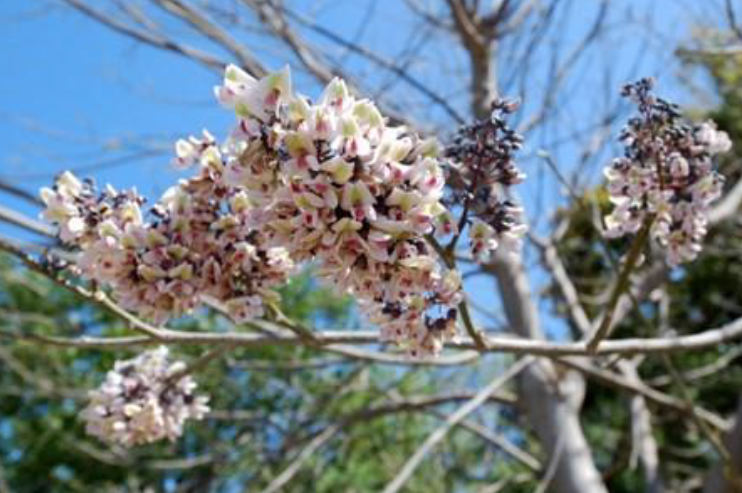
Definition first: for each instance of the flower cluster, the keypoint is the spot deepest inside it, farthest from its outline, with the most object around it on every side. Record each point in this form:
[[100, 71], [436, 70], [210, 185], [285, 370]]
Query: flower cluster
[[197, 247], [483, 165], [333, 183], [329, 182], [666, 176], [143, 400]]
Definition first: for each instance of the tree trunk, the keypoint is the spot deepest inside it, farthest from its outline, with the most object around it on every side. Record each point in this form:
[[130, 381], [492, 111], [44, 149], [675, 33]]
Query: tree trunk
[[552, 406]]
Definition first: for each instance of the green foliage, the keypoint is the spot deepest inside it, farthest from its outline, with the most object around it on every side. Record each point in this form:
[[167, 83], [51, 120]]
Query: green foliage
[[269, 403]]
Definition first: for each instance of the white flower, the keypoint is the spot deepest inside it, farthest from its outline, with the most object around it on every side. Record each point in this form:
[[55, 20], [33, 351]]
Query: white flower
[[716, 141], [483, 240]]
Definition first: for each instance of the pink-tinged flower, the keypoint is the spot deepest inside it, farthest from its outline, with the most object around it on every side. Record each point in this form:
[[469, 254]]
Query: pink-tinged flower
[[357, 199], [482, 239], [379, 243], [427, 175], [404, 200], [245, 308], [394, 227], [303, 155], [299, 109], [351, 140], [58, 207], [340, 232], [445, 224], [322, 187], [253, 99], [392, 147], [322, 123], [369, 119], [189, 151], [236, 84], [707, 190], [339, 169], [68, 185], [336, 96], [367, 114], [211, 159], [306, 200], [450, 288]]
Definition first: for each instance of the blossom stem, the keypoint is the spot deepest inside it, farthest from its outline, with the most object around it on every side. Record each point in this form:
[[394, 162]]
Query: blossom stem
[[443, 253], [622, 284], [300, 330], [462, 224], [450, 261]]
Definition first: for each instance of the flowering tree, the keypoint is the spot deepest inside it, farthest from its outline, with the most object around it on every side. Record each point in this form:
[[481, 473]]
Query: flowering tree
[[386, 215]]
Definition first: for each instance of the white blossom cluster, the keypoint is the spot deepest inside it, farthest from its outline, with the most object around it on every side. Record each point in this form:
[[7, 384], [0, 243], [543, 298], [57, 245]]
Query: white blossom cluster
[[666, 174], [329, 182], [143, 400], [197, 246], [333, 183]]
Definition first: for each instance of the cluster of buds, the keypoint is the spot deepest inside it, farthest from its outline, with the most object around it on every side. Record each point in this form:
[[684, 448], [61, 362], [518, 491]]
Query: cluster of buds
[[333, 183], [483, 165], [666, 177], [143, 400], [197, 247]]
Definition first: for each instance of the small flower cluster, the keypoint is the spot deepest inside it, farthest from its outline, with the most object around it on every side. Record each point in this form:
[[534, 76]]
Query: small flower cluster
[[483, 156], [333, 183], [143, 400], [197, 247], [666, 176]]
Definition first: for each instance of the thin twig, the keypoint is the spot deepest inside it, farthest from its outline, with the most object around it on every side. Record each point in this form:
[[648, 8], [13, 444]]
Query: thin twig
[[280, 481], [21, 193], [463, 307]]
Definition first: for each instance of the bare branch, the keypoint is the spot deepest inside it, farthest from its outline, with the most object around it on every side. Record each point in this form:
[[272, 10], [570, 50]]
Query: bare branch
[[203, 25], [147, 37], [610, 378], [413, 462], [16, 218], [644, 447], [20, 193], [378, 60]]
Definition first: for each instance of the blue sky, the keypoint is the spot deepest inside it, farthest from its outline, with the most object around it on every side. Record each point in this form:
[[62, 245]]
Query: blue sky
[[74, 94]]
